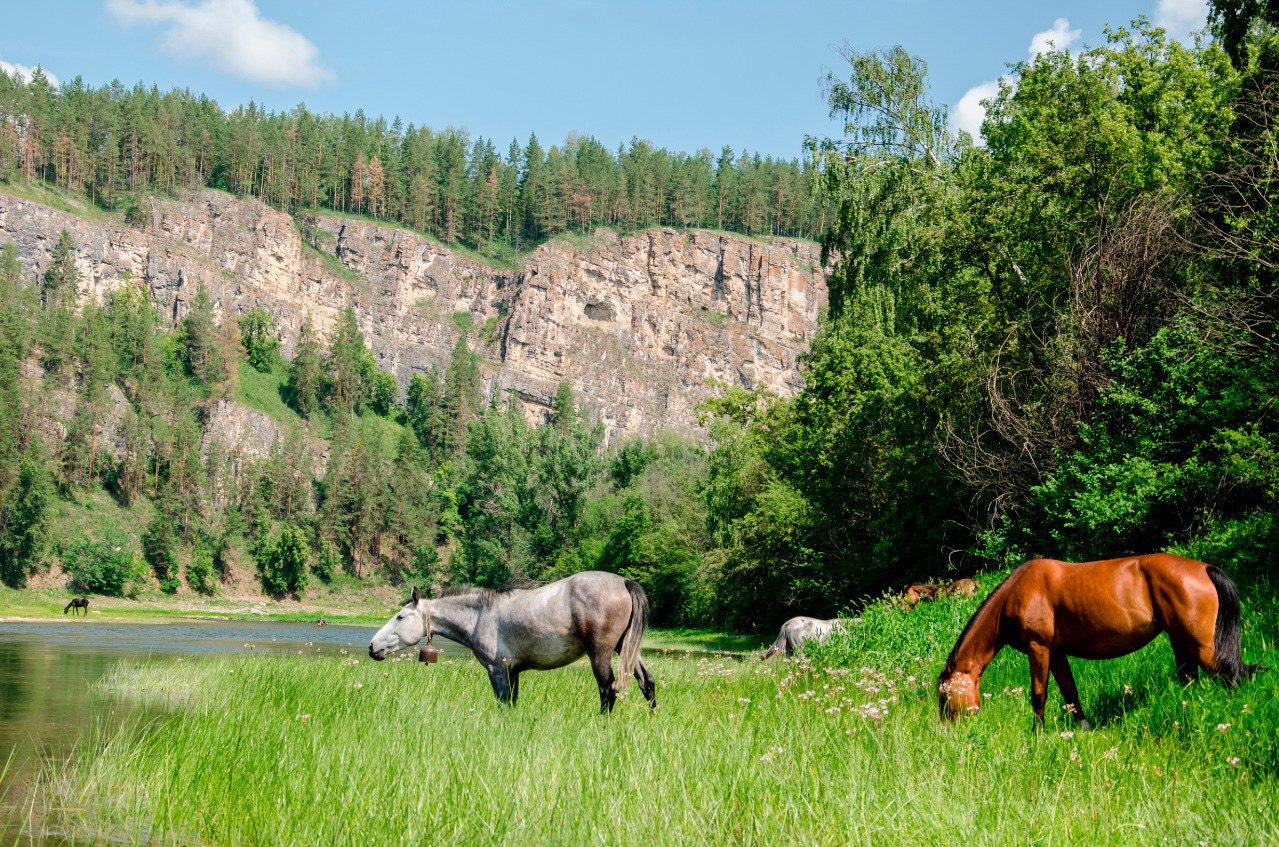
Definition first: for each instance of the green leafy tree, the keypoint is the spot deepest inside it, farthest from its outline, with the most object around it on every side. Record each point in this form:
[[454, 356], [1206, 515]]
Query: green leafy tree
[[24, 523], [283, 566], [260, 338], [105, 565], [201, 573], [159, 548]]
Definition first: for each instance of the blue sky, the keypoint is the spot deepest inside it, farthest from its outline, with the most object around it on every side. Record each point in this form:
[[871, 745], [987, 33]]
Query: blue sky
[[685, 75]]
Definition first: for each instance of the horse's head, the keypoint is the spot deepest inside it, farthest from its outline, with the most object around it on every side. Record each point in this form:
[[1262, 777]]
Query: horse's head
[[957, 693], [407, 628]]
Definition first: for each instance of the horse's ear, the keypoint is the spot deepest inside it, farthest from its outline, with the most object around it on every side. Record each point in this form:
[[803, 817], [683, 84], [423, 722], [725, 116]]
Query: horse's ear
[[415, 596]]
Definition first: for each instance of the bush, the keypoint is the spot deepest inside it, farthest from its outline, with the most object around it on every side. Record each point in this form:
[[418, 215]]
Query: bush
[[282, 566], [106, 565], [201, 573], [158, 546]]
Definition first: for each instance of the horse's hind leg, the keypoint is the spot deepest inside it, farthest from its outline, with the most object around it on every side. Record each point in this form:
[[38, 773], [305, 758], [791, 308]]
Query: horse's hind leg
[[602, 666], [1061, 672], [1191, 654], [647, 685]]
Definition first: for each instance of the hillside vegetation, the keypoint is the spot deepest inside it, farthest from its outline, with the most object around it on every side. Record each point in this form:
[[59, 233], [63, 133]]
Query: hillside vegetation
[[1057, 342]]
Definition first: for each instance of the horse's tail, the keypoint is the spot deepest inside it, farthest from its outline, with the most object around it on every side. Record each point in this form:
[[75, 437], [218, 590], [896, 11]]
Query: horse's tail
[[1225, 641], [778, 648], [629, 649]]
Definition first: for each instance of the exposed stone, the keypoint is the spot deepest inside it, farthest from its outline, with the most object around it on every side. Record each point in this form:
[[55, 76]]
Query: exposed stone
[[639, 325]]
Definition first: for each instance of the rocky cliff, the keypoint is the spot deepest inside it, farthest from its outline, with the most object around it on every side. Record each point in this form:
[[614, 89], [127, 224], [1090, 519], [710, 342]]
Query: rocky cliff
[[639, 325]]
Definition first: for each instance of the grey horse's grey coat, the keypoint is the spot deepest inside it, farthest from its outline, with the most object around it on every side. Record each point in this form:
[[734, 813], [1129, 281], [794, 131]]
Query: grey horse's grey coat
[[798, 630], [591, 613]]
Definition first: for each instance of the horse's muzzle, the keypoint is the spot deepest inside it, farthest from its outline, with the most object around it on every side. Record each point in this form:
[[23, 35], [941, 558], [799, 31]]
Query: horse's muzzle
[[375, 655]]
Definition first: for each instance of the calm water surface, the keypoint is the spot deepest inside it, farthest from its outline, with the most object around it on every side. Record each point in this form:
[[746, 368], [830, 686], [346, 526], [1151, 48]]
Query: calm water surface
[[47, 673]]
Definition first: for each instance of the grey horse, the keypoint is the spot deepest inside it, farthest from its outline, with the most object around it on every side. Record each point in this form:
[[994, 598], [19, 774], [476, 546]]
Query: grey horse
[[511, 631], [798, 630]]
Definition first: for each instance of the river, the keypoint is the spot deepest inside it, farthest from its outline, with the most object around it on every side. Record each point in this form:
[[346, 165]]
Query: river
[[48, 671]]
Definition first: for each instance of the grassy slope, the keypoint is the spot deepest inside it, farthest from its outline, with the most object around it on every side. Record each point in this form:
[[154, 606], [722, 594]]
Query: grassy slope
[[843, 749], [263, 391]]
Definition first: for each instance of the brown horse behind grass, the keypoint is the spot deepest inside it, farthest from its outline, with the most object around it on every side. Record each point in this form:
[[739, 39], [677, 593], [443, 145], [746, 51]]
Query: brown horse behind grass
[[1051, 610], [917, 593]]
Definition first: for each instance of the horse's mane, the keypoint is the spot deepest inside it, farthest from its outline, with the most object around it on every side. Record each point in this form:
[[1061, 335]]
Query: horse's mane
[[954, 651], [489, 594]]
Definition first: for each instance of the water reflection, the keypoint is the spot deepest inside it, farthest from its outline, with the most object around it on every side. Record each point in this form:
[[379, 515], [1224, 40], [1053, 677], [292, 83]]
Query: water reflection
[[48, 670]]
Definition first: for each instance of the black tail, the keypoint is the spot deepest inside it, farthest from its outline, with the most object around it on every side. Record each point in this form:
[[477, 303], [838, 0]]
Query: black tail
[[1225, 641]]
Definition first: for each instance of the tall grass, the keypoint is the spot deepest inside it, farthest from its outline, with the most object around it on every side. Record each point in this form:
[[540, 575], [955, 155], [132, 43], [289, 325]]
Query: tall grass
[[844, 747]]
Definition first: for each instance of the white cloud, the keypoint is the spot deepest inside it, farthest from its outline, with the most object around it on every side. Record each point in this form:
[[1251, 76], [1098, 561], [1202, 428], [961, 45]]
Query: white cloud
[[969, 113], [1058, 37], [1181, 17], [23, 72], [232, 36]]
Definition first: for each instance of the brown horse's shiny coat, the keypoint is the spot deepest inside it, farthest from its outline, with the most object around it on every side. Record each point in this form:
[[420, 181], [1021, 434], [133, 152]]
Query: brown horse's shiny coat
[[1050, 610]]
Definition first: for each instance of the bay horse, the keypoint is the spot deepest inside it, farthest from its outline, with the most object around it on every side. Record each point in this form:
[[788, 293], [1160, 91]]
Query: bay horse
[[798, 630], [1051, 610], [77, 603], [917, 593], [960, 588], [510, 631]]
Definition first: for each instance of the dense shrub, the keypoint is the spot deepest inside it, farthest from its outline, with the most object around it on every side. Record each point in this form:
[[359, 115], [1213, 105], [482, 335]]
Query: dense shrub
[[201, 573], [282, 566], [103, 565]]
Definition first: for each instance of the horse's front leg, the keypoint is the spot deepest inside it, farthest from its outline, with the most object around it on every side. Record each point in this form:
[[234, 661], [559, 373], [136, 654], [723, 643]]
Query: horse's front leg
[[1060, 666], [500, 677], [1040, 662]]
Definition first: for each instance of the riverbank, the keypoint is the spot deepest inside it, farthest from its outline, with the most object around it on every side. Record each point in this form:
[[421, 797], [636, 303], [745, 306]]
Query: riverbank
[[844, 748], [367, 605]]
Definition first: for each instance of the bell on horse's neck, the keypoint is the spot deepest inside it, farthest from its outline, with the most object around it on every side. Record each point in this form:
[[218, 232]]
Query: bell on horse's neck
[[429, 655]]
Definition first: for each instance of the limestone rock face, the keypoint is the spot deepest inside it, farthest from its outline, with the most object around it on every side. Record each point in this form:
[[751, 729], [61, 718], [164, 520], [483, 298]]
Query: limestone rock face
[[639, 325]]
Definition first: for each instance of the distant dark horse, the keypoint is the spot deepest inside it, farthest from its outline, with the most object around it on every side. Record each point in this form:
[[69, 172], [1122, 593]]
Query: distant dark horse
[[592, 613], [78, 603], [1051, 610]]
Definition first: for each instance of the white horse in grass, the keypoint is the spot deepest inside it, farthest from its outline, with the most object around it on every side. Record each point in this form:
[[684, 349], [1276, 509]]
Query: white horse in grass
[[592, 613], [796, 631]]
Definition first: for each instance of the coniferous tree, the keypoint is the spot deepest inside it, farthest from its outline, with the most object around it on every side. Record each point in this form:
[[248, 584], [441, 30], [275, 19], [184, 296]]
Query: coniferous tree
[[463, 396], [24, 522], [425, 411], [199, 344], [305, 373]]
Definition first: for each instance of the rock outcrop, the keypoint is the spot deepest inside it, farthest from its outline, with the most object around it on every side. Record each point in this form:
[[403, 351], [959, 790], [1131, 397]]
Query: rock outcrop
[[639, 325]]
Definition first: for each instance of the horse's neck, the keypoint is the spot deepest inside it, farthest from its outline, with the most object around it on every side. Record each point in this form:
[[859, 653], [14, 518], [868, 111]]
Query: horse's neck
[[980, 643], [456, 617]]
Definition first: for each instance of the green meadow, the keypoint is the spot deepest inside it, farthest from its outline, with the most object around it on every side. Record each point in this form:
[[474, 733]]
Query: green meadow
[[842, 747]]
